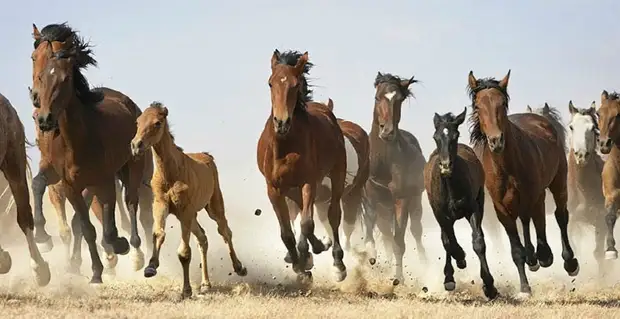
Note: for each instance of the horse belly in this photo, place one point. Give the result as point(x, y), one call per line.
point(352, 166)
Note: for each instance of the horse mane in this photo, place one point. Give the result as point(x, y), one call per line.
point(555, 118)
point(160, 108)
point(395, 80)
point(81, 51)
point(290, 57)
point(476, 136)
point(613, 96)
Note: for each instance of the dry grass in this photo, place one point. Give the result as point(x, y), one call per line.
point(270, 291)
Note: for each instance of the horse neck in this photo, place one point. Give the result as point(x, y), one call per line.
point(167, 156)
point(379, 146)
point(73, 125)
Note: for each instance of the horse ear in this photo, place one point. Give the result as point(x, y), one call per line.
point(571, 108)
point(528, 108)
point(436, 120)
point(471, 80)
point(274, 58)
point(406, 83)
point(299, 67)
point(604, 95)
point(504, 82)
point(592, 107)
point(546, 107)
point(460, 118)
point(36, 35)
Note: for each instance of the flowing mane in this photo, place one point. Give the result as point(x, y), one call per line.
point(290, 58)
point(396, 81)
point(477, 137)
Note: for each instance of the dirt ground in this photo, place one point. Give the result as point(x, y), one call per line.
point(270, 290)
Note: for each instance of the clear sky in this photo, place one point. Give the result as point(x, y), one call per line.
point(209, 61)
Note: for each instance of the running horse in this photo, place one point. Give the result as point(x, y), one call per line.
point(94, 128)
point(522, 155)
point(300, 145)
point(393, 192)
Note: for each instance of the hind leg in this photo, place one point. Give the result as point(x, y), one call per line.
point(517, 249)
point(334, 214)
point(294, 215)
point(216, 211)
point(544, 255)
point(351, 207)
point(560, 196)
point(530, 253)
point(131, 175)
point(146, 214)
point(122, 212)
point(203, 243)
point(385, 223)
point(184, 252)
point(370, 220)
point(415, 216)
point(599, 249)
point(57, 196)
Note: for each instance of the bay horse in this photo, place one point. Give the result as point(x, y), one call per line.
point(183, 185)
point(357, 151)
point(58, 199)
point(14, 166)
point(94, 128)
point(300, 145)
point(609, 141)
point(454, 183)
point(522, 155)
point(393, 192)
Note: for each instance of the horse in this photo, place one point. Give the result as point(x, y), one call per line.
point(357, 147)
point(301, 145)
point(94, 128)
point(454, 183)
point(522, 155)
point(57, 197)
point(609, 141)
point(183, 184)
point(14, 166)
point(393, 192)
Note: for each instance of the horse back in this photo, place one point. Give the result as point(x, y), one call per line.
point(12, 133)
point(327, 136)
point(413, 154)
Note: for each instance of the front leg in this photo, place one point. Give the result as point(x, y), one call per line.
point(276, 197)
point(46, 176)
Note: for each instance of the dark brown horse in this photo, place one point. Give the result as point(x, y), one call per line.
point(522, 155)
point(357, 147)
point(393, 192)
point(609, 140)
point(300, 145)
point(94, 128)
point(454, 182)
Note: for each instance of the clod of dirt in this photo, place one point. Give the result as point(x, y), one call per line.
point(395, 282)
point(424, 289)
point(257, 212)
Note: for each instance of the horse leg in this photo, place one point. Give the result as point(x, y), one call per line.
point(308, 192)
point(203, 243)
point(57, 196)
point(45, 177)
point(82, 218)
point(544, 255)
point(385, 223)
point(15, 174)
point(322, 210)
point(286, 232)
point(217, 212)
point(160, 213)
point(401, 216)
point(111, 258)
point(480, 247)
point(610, 222)
point(599, 249)
point(415, 217)
point(351, 205)
point(448, 269)
point(530, 253)
point(185, 252)
point(517, 250)
point(294, 212)
point(370, 219)
point(560, 196)
point(146, 213)
point(125, 224)
point(131, 175)
point(337, 176)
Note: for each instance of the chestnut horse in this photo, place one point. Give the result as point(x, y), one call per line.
point(356, 144)
point(301, 145)
point(609, 143)
point(14, 166)
point(522, 155)
point(393, 192)
point(94, 128)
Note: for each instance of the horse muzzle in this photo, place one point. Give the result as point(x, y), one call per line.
point(581, 158)
point(496, 143)
point(445, 168)
point(137, 148)
point(46, 122)
point(605, 145)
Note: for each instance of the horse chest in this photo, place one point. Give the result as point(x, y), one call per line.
point(288, 171)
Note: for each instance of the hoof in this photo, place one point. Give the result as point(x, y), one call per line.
point(187, 293)
point(242, 271)
point(611, 254)
point(372, 261)
point(111, 261)
point(288, 259)
point(490, 292)
point(42, 274)
point(327, 244)
point(304, 278)
point(73, 268)
point(137, 259)
point(5, 262)
point(121, 246)
point(524, 295)
point(461, 264)
point(46, 246)
point(96, 280)
point(150, 271)
point(572, 267)
point(309, 262)
point(340, 275)
point(109, 271)
point(204, 289)
point(546, 263)
point(535, 267)
point(449, 286)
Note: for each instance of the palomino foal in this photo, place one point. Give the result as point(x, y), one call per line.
point(454, 182)
point(183, 184)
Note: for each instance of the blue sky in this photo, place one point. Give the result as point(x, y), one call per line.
point(209, 61)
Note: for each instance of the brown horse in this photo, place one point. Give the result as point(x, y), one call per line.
point(300, 145)
point(94, 128)
point(14, 164)
point(522, 155)
point(609, 143)
point(393, 192)
point(58, 199)
point(357, 147)
point(183, 185)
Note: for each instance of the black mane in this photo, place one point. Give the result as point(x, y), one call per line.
point(613, 96)
point(290, 58)
point(394, 80)
point(82, 53)
point(476, 135)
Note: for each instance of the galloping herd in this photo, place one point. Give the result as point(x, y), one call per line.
point(95, 142)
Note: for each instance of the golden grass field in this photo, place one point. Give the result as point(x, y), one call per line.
point(270, 290)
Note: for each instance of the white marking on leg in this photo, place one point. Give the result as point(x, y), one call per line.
point(327, 182)
point(297, 228)
point(352, 161)
point(390, 95)
point(137, 257)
